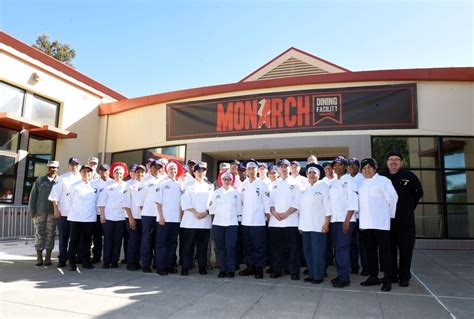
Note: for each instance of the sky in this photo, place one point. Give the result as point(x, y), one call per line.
point(146, 47)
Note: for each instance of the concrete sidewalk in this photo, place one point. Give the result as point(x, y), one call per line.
point(442, 287)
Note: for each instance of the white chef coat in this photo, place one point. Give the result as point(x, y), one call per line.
point(83, 202)
point(135, 188)
point(225, 206)
point(358, 179)
point(377, 203)
point(266, 180)
point(343, 198)
point(146, 196)
point(238, 183)
point(298, 180)
point(169, 196)
point(60, 191)
point(284, 195)
point(256, 202)
point(196, 195)
point(314, 206)
point(114, 197)
point(329, 181)
point(100, 184)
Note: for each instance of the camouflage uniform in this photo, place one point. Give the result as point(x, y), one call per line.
point(45, 222)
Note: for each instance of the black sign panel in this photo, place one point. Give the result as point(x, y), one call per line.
point(375, 107)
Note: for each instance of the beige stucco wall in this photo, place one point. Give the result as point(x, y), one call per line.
point(444, 108)
point(78, 102)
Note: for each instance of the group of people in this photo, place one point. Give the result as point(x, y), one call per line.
point(264, 216)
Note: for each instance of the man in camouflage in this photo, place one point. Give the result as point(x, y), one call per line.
point(42, 212)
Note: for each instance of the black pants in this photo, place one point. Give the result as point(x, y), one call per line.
point(402, 243)
point(166, 243)
point(195, 237)
point(80, 230)
point(378, 242)
point(285, 239)
point(113, 233)
point(97, 235)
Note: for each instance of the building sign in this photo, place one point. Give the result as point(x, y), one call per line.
point(375, 107)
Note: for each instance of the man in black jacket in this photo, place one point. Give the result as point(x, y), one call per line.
point(402, 230)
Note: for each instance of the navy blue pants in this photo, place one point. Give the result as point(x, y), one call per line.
point(63, 233)
point(81, 234)
point(342, 245)
point(225, 238)
point(286, 249)
point(148, 236)
point(314, 248)
point(166, 244)
point(113, 232)
point(195, 237)
point(97, 237)
point(254, 238)
point(134, 239)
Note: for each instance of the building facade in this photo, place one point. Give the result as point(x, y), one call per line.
point(293, 106)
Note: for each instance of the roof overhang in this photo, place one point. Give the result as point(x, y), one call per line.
point(20, 123)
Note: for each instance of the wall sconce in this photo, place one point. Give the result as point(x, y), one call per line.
point(34, 78)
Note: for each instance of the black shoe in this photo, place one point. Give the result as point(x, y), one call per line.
point(184, 272)
point(114, 265)
point(138, 266)
point(249, 271)
point(230, 274)
point(258, 273)
point(305, 272)
point(295, 277)
point(123, 261)
point(87, 266)
point(354, 271)
point(221, 274)
point(162, 273)
point(131, 267)
point(269, 270)
point(275, 275)
point(172, 270)
point(387, 286)
point(364, 272)
point(340, 284)
point(308, 279)
point(72, 267)
point(404, 283)
point(317, 281)
point(394, 280)
point(146, 269)
point(106, 265)
point(371, 281)
point(61, 264)
point(334, 280)
point(202, 271)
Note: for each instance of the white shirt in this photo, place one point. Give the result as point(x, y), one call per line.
point(100, 184)
point(329, 181)
point(256, 202)
point(83, 202)
point(60, 191)
point(135, 188)
point(343, 198)
point(284, 195)
point(225, 206)
point(169, 196)
point(358, 179)
point(266, 180)
point(196, 195)
point(377, 203)
point(114, 197)
point(238, 183)
point(298, 180)
point(149, 186)
point(314, 206)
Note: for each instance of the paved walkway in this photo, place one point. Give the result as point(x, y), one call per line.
point(442, 287)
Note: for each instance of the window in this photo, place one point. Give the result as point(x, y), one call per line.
point(11, 99)
point(9, 140)
point(31, 106)
point(7, 179)
point(445, 167)
point(42, 110)
point(176, 152)
point(40, 151)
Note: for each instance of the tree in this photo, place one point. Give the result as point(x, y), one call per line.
point(59, 51)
